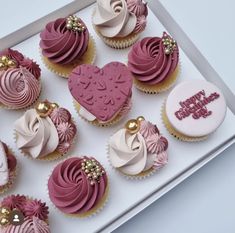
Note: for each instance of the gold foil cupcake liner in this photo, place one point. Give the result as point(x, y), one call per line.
point(162, 86)
point(52, 156)
point(174, 132)
point(26, 107)
point(112, 122)
point(118, 42)
point(64, 70)
point(143, 175)
point(92, 212)
point(12, 176)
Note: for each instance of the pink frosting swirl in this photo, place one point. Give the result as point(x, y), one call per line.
point(32, 67)
point(14, 202)
point(70, 189)
point(33, 225)
point(66, 131)
point(60, 115)
point(156, 143)
point(161, 160)
point(140, 24)
point(137, 7)
point(13, 54)
point(62, 45)
point(36, 208)
point(18, 88)
point(147, 129)
point(148, 61)
point(63, 147)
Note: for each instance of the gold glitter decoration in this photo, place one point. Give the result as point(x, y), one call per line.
point(140, 118)
point(45, 108)
point(6, 62)
point(132, 126)
point(93, 170)
point(169, 44)
point(73, 23)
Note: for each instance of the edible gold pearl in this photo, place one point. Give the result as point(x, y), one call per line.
point(43, 109)
point(132, 126)
point(4, 59)
point(4, 221)
point(54, 105)
point(11, 63)
point(2, 66)
point(4, 211)
point(140, 118)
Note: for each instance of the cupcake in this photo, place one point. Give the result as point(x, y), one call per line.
point(154, 63)
point(119, 23)
point(20, 84)
point(193, 110)
point(8, 166)
point(78, 186)
point(138, 150)
point(101, 96)
point(21, 214)
point(46, 132)
point(66, 43)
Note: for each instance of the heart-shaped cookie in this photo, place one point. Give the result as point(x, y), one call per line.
point(103, 91)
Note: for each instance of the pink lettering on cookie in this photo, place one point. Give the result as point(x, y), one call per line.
point(196, 106)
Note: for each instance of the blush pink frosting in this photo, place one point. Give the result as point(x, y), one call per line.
point(66, 131)
point(137, 7)
point(71, 191)
point(140, 24)
point(161, 160)
point(147, 129)
point(156, 143)
point(59, 115)
point(148, 61)
point(18, 88)
point(61, 45)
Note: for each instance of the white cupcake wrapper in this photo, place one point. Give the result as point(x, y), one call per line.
point(79, 216)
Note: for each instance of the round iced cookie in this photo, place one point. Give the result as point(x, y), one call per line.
point(194, 109)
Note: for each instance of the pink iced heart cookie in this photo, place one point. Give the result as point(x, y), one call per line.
point(102, 92)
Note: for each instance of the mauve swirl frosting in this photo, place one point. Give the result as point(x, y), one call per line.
point(18, 88)
point(70, 189)
point(137, 7)
point(61, 45)
point(149, 63)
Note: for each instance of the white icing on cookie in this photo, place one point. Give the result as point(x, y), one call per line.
point(195, 108)
point(4, 172)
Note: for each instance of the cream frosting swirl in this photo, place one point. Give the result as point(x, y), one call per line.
point(149, 62)
point(113, 19)
point(128, 153)
point(18, 88)
point(36, 136)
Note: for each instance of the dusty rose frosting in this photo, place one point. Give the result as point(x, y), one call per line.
point(138, 152)
point(137, 7)
point(18, 88)
point(149, 62)
point(61, 45)
point(70, 189)
point(23, 61)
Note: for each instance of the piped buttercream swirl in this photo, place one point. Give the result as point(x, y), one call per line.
point(70, 189)
point(36, 136)
point(148, 61)
point(61, 45)
point(113, 19)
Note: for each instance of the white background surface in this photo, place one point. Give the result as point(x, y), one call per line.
point(203, 203)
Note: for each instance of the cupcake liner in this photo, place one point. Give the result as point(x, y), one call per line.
point(174, 132)
point(64, 70)
point(91, 213)
point(52, 156)
point(114, 121)
point(118, 42)
point(12, 176)
point(26, 107)
point(162, 86)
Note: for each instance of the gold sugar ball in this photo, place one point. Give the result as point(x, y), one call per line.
point(43, 109)
point(4, 221)
point(4, 211)
point(140, 118)
point(54, 105)
point(4, 59)
point(11, 63)
point(132, 126)
point(2, 66)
